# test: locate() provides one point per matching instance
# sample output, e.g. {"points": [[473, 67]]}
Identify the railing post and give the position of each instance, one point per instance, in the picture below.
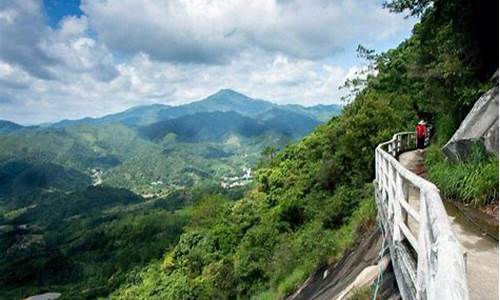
{"points": [[398, 217], [405, 194], [387, 184], [423, 237], [398, 145], [376, 165]]}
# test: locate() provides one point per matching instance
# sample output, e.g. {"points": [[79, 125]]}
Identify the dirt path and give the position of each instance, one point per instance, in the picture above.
{"points": [[482, 251]]}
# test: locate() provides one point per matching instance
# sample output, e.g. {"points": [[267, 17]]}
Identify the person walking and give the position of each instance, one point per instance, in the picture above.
{"points": [[421, 134]]}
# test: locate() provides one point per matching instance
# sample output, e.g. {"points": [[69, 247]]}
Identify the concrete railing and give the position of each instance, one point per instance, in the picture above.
{"points": [[428, 260]]}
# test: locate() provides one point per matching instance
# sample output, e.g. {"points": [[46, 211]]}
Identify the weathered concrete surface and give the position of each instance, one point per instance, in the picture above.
{"points": [[482, 256], [480, 125], [482, 251], [358, 267]]}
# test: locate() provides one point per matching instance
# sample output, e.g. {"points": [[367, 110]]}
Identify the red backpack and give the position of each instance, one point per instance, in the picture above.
{"points": [[421, 130]]}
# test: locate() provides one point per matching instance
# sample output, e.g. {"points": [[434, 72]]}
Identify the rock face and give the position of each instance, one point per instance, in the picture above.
{"points": [[356, 269], [480, 126], [46, 296]]}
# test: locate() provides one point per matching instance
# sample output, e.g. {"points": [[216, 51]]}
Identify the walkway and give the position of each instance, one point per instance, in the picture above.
{"points": [[482, 251]]}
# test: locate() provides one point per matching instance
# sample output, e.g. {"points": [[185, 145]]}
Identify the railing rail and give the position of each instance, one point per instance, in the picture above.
{"points": [[428, 261]]}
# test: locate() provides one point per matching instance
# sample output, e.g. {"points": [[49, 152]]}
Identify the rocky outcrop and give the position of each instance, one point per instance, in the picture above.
{"points": [[480, 126], [357, 268], [46, 296]]}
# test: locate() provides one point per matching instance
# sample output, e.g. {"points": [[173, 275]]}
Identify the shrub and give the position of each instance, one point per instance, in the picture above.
{"points": [[474, 181]]}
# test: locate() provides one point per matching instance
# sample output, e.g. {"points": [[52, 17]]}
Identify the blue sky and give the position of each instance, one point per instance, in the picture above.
{"points": [[70, 59], [58, 9]]}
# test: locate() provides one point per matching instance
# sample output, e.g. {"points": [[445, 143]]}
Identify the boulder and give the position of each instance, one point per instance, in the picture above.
{"points": [[480, 126]]}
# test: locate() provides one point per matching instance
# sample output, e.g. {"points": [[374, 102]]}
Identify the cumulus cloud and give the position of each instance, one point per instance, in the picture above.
{"points": [[22, 28], [72, 47], [122, 53], [27, 42], [206, 31]]}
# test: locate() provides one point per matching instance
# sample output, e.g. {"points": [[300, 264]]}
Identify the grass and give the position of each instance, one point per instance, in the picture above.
{"points": [[474, 181]]}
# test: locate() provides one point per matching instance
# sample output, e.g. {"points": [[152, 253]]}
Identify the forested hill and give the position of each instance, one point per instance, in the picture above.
{"points": [[311, 200]]}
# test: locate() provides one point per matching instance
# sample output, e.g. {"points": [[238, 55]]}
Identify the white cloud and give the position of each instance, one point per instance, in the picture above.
{"points": [[71, 46], [124, 53], [207, 31], [13, 77]]}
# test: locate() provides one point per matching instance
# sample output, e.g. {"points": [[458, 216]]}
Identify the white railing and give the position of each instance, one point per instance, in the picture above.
{"points": [[439, 269]]}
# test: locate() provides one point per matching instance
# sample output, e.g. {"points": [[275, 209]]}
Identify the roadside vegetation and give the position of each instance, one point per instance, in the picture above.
{"points": [[473, 181]]}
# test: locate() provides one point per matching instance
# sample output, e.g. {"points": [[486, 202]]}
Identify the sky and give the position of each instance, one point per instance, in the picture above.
{"points": [[68, 59]]}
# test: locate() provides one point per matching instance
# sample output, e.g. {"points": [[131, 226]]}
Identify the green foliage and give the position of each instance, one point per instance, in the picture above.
{"points": [[472, 181], [82, 243], [246, 249]]}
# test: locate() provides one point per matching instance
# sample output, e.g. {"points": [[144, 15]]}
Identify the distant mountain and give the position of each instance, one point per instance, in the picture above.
{"points": [[217, 125], [319, 112], [206, 126], [7, 126], [288, 122], [154, 147], [223, 101], [135, 116]]}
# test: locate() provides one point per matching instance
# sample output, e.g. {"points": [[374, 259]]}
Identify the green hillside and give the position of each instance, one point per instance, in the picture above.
{"points": [[195, 144], [84, 203], [314, 198]]}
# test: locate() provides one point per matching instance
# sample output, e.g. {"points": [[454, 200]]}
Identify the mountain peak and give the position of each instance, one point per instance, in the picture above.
{"points": [[229, 94]]}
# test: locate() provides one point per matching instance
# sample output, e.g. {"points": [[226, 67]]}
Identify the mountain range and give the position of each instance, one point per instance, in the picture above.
{"points": [[153, 148], [224, 100]]}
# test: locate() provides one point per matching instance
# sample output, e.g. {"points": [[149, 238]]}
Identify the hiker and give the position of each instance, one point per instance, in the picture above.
{"points": [[421, 133]]}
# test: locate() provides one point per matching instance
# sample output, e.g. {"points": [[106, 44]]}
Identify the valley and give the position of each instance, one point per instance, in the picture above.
{"points": [[85, 202]]}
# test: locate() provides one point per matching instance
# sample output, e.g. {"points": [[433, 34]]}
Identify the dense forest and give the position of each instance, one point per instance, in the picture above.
{"points": [[313, 199], [308, 203], [84, 202]]}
